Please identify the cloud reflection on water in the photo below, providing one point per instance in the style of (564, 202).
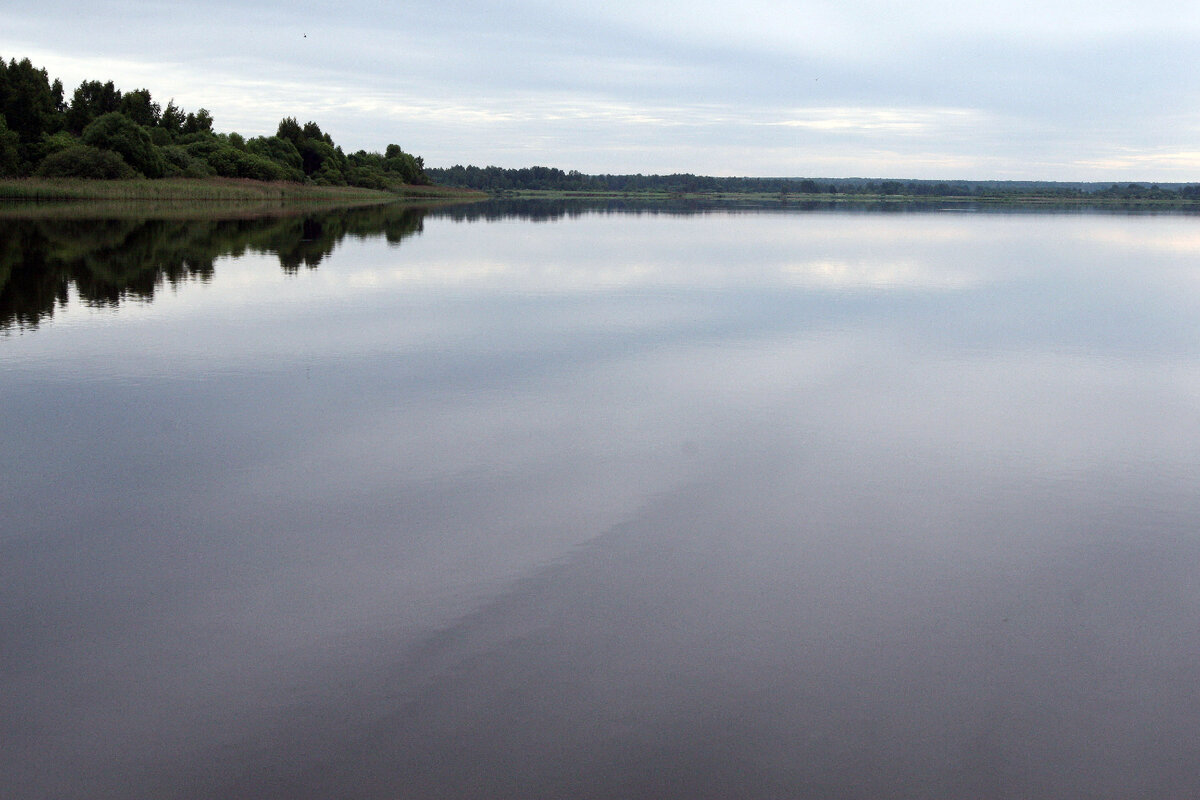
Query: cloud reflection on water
(696, 531)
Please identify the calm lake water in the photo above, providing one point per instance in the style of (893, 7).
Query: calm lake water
(545, 502)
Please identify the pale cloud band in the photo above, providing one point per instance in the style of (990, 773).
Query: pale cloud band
(1049, 90)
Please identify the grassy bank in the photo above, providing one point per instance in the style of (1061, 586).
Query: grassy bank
(213, 190)
(180, 189)
(444, 193)
(192, 198)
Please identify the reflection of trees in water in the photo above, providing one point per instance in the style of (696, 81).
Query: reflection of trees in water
(549, 209)
(111, 260)
(546, 209)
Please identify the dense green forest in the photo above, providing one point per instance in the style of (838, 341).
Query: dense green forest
(498, 179)
(102, 132)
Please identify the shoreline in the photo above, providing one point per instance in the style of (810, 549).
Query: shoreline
(1015, 199)
(215, 190)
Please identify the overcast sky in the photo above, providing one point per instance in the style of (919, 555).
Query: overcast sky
(1088, 90)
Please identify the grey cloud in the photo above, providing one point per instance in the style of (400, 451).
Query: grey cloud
(1042, 90)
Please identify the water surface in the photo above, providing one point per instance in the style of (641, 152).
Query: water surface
(526, 503)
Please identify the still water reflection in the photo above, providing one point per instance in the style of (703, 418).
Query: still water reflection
(520, 503)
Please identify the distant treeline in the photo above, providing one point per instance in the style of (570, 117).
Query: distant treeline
(499, 179)
(102, 132)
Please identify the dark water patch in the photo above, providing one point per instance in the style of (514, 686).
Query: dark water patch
(727, 642)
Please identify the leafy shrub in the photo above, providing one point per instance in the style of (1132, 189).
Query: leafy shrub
(366, 177)
(179, 163)
(117, 132)
(83, 161)
(316, 154)
(409, 167)
(229, 162)
(329, 175)
(160, 136)
(281, 151)
(405, 167)
(194, 137)
(261, 169)
(53, 143)
(36, 152)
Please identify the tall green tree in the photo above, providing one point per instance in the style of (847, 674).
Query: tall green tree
(92, 99)
(171, 119)
(313, 131)
(410, 168)
(139, 107)
(200, 122)
(290, 130)
(320, 159)
(27, 101)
